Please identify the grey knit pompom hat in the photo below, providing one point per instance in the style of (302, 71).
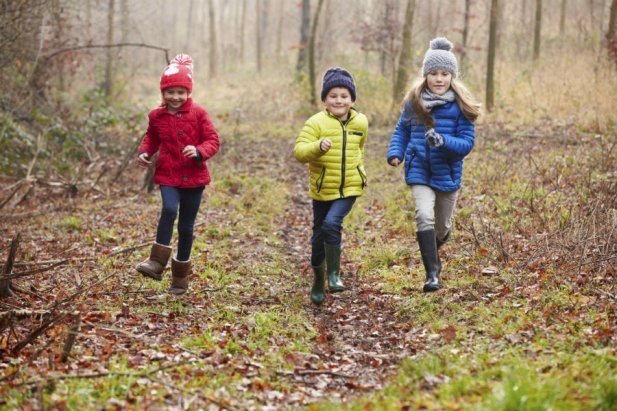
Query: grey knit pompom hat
(439, 57)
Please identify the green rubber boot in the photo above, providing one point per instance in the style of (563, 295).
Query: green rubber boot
(333, 262)
(317, 292)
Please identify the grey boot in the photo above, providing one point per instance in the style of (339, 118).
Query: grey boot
(333, 262)
(430, 258)
(153, 267)
(319, 276)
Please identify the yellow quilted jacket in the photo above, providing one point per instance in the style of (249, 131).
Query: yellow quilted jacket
(339, 173)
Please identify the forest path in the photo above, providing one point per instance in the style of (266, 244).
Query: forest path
(247, 316)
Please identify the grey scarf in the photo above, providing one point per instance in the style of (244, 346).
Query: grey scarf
(430, 99)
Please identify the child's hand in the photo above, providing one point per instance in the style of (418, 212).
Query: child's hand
(395, 162)
(144, 160)
(433, 138)
(190, 151)
(325, 145)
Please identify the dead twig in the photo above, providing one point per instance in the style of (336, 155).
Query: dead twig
(32, 272)
(103, 374)
(17, 188)
(55, 263)
(40, 330)
(71, 337)
(5, 283)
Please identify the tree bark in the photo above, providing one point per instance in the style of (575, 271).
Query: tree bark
(490, 66)
(404, 60)
(537, 31)
(304, 38)
(311, 56)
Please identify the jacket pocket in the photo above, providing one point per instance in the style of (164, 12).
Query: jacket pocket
(408, 163)
(320, 179)
(362, 177)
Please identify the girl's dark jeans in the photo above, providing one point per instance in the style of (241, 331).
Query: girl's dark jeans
(188, 201)
(328, 225)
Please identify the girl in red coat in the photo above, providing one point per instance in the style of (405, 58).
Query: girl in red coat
(182, 133)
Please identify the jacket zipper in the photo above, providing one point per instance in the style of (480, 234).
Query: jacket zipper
(428, 159)
(343, 159)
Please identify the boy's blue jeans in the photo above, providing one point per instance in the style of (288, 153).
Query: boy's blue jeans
(188, 201)
(328, 225)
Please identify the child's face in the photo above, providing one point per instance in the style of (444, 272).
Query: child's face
(175, 97)
(439, 81)
(338, 102)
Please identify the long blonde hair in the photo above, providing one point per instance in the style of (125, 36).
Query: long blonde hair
(413, 102)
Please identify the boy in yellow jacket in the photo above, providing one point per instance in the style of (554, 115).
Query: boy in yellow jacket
(332, 143)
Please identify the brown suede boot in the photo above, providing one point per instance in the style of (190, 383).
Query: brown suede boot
(153, 267)
(180, 274)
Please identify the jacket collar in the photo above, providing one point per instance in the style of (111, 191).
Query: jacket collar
(186, 107)
(352, 113)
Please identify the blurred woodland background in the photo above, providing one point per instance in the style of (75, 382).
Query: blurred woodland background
(79, 76)
(527, 319)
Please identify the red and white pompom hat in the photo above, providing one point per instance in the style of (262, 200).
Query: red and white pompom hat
(179, 73)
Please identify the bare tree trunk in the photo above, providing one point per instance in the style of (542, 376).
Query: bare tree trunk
(258, 35)
(562, 18)
(126, 20)
(312, 53)
(279, 32)
(465, 34)
(110, 55)
(304, 38)
(213, 58)
(404, 60)
(611, 33)
(383, 54)
(88, 20)
(242, 30)
(189, 25)
(56, 11)
(537, 31)
(490, 66)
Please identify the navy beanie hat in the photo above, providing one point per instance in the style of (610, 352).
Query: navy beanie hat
(337, 77)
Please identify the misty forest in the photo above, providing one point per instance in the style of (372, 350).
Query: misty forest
(525, 315)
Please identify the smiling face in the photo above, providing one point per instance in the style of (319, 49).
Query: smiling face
(438, 81)
(338, 102)
(175, 97)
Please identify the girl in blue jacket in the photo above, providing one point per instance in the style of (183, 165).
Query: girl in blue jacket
(432, 137)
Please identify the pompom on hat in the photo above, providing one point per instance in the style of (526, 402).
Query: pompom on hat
(179, 73)
(338, 77)
(440, 57)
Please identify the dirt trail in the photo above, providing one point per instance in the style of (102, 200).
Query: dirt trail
(362, 338)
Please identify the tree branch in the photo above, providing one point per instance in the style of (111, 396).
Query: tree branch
(106, 46)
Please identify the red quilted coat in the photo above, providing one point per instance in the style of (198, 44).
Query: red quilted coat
(169, 134)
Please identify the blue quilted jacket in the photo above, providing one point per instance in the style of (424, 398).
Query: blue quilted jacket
(439, 168)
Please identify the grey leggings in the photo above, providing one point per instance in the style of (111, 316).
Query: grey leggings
(434, 209)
